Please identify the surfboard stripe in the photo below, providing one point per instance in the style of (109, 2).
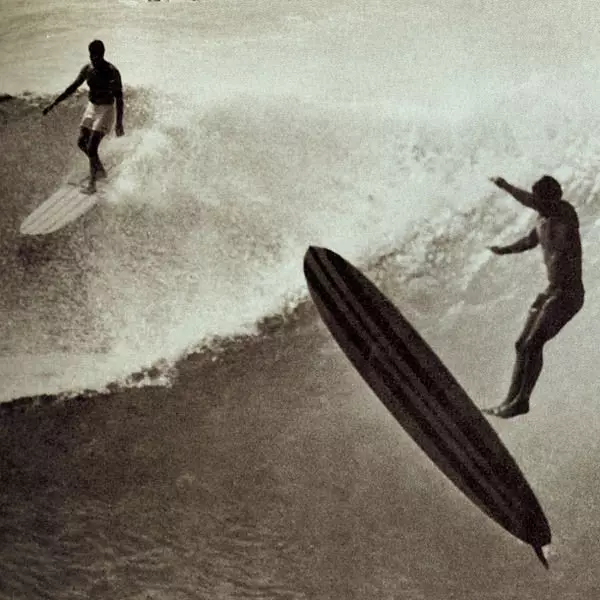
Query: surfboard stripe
(427, 417)
(423, 395)
(61, 212)
(68, 210)
(41, 214)
(57, 211)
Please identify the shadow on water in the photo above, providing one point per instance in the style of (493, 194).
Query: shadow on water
(67, 244)
(33, 251)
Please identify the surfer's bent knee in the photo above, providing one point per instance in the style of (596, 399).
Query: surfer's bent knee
(84, 139)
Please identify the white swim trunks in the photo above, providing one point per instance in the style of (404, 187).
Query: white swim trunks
(99, 117)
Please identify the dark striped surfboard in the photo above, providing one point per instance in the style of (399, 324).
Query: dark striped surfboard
(423, 396)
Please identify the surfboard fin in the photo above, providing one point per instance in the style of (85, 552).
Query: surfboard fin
(540, 554)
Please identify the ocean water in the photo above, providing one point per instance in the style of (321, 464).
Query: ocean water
(176, 422)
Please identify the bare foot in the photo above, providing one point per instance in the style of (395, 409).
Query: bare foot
(506, 410)
(89, 189)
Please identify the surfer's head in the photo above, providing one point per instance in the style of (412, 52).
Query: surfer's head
(96, 49)
(547, 189)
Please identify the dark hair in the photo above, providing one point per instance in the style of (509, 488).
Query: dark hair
(96, 48)
(548, 188)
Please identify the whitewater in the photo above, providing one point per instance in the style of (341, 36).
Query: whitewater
(176, 422)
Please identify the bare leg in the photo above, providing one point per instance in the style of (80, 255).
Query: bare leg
(84, 139)
(547, 317)
(528, 367)
(522, 358)
(96, 168)
(516, 382)
(533, 368)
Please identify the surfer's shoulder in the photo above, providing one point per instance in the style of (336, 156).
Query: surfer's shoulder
(112, 68)
(562, 212)
(571, 214)
(85, 70)
(566, 210)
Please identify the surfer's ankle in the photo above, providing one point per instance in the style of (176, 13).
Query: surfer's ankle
(90, 188)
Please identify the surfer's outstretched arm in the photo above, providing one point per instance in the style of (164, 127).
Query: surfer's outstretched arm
(531, 240)
(69, 91)
(522, 196)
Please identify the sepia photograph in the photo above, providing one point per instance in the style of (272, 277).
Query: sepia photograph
(299, 300)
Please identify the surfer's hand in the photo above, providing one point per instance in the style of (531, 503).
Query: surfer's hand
(119, 130)
(497, 249)
(499, 181)
(48, 109)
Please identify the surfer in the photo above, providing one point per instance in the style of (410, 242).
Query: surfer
(105, 91)
(557, 232)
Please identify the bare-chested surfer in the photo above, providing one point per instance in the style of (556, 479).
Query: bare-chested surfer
(557, 232)
(106, 91)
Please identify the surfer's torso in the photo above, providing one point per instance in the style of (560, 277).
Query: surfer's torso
(557, 230)
(104, 81)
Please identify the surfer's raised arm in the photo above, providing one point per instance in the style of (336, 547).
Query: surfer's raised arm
(70, 90)
(523, 196)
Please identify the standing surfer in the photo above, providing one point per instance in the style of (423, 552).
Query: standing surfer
(557, 232)
(106, 91)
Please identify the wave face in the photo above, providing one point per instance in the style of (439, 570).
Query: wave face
(252, 133)
(206, 223)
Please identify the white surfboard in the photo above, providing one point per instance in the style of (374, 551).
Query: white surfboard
(65, 205)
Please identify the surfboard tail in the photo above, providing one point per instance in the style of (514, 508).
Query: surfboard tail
(539, 552)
